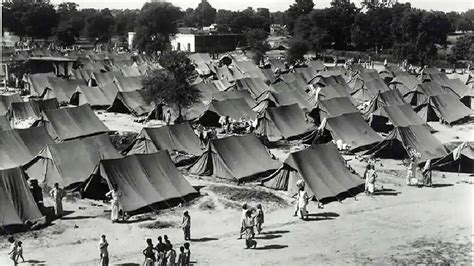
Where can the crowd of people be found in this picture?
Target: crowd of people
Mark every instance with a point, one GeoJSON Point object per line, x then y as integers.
{"type": "Point", "coordinates": [163, 253]}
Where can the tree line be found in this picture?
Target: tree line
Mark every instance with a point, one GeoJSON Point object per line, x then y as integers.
{"type": "Point", "coordinates": [400, 30]}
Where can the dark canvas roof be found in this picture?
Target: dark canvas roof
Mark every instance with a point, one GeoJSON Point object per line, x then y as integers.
{"type": "Point", "coordinates": [370, 89]}
{"type": "Point", "coordinates": [72, 161]}
{"type": "Point", "coordinates": [318, 65]}
{"type": "Point", "coordinates": [391, 97]}
{"type": "Point", "coordinates": [256, 86]}
{"type": "Point", "coordinates": [19, 146]}
{"type": "Point", "coordinates": [126, 84]}
{"type": "Point", "coordinates": [105, 77]}
{"type": "Point", "coordinates": [130, 71]}
{"type": "Point", "coordinates": [234, 108]}
{"type": "Point", "coordinates": [144, 179]}
{"type": "Point", "coordinates": [283, 122]}
{"type": "Point", "coordinates": [445, 106]}
{"type": "Point", "coordinates": [73, 122]}
{"type": "Point", "coordinates": [405, 83]}
{"type": "Point", "coordinates": [353, 130]}
{"type": "Point", "coordinates": [94, 96]}
{"type": "Point", "coordinates": [309, 73]}
{"type": "Point", "coordinates": [235, 158]}
{"type": "Point", "coordinates": [16, 202]}
{"type": "Point", "coordinates": [131, 102]}
{"type": "Point", "coordinates": [84, 74]}
{"type": "Point", "coordinates": [62, 89]}
{"type": "Point", "coordinates": [274, 99]}
{"type": "Point", "coordinates": [334, 91]}
{"type": "Point", "coordinates": [401, 115]}
{"type": "Point", "coordinates": [6, 100]}
{"type": "Point", "coordinates": [222, 84]}
{"type": "Point", "coordinates": [38, 83]}
{"type": "Point", "coordinates": [291, 77]}
{"type": "Point", "coordinates": [337, 106]}
{"type": "Point", "coordinates": [179, 137]}
{"type": "Point", "coordinates": [430, 89]}
{"type": "Point", "coordinates": [4, 123]}
{"type": "Point", "coordinates": [234, 94]}
{"type": "Point", "coordinates": [418, 138]}
{"type": "Point", "coordinates": [228, 73]}
{"type": "Point", "coordinates": [207, 90]}
{"type": "Point", "coordinates": [321, 167]}
{"type": "Point", "coordinates": [201, 60]}
{"type": "Point", "coordinates": [31, 109]}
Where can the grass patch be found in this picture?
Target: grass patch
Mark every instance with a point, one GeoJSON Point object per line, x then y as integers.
{"type": "Point", "coordinates": [207, 205]}
{"type": "Point", "coordinates": [242, 194]}
{"type": "Point", "coordinates": [159, 225]}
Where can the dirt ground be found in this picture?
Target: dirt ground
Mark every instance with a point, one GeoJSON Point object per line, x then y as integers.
{"type": "Point", "coordinates": [400, 225]}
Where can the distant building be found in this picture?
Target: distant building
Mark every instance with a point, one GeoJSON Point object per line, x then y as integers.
{"type": "Point", "coordinates": [27, 1]}
{"type": "Point", "coordinates": [199, 41]}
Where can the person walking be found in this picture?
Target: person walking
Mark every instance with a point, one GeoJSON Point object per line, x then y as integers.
{"type": "Point", "coordinates": [19, 251]}
{"type": "Point", "coordinates": [427, 174]}
{"type": "Point", "coordinates": [57, 194]}
{"type": "Point", "coordinates": [259, 218]}
{"type": "Point", "coordinates": [13, 250]}
{"type": "Point", "coordinates": [371, 177]}
{"type": "Point", "coordinates": [115, 196]}
{"type": "Point", "coordinates": [249, 233]}
{"type": "Point", "coordinates": [104, 251]}
{"type": "Point", "coordinates": [186, 226]}
{"type": "Point", "coordinates": [303, 200]}
{"type": "Point", "coordinates": [242, 219]}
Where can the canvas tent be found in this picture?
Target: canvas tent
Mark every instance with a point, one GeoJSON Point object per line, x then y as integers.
{"type": "Point", "coordinates": [207, 90]}
{"type": "Point", "coordinates": [31, 110]}
{"type": "Point", "coordinates": [391, 97]}
{"type": "Point", "coordinates": [256, 86]}
{"type": "Point", "coordinates": [127, 84]}
{"type": "Point", "coordinates": [17, 204]}
{"type": "Point", "coordinates": [179, 140]}
{"type": "Point", "coordinates": [275, 99]}
{"type": "Point", "coordinates": [37, 83]}
{"type": "Point", "coordinates": [444, 106]}
{"type": "Point", "coordinates": [336, 107]}
{"type": "Point", "coordinates": [352, 130]}
{"type": "Point", "coordinates": [71, 162]}
{"type": "Point", "coordinates": [4, 123]}
{"type": "Point", "coordinates": [61, 89]}
{"type": "Point", "coordinates": [131, 102]}
{"type": "Point", "coordinates": [100, 78]}
{"type": "Point", "coordinates": [419, 138]}
{"type": "Point", "coordinates": [145, 180]}
{"type": "Point", "coordinates": [322, 169]}
{"type": "Point", "coordinates": [96, 97]}
{"type": "Point", "coordinates": [130, 71]}
{"type": "Point", "coordinates": [404, 83]}
{"type": "Point", "coordinates": [283, 122]}
{"type": "Point", "coordinates": [235, 158]}
{"type": "Point", "coordinates": [19, 146]}
{"type": "Point", "coordinates": [72, 122]}
{"type": "Point", "coordinates": [369, 89]}
{"type": "Point", "coordinates": [234, 94]}
{"type": "Point", "coordinates": [422, 92]}
{"type": "Point", "coordinates": [6, 100]}
{"type": "Point", "coordinates": [233, 108]}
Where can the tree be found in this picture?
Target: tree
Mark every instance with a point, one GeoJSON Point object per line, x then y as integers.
{"type": "Point", "coordinates": [40, 20]}
{"type": "Point", "coordinates": [155, 24]}
{"type": "Point", "coordinates": [13, 14]}
{"type": "Point", "coordinates": [125, 21]}
{"type": "Point", "coordinates": [299, 8]}
{"type": "Point", "coordinates": [171, 86]}
{"type": "Point", "coordinates": [257, 41]}
{"type": "Point", "coordinates": [65, 35]}
{"type": "Point", "coordinates": [464, 48]}
{"type": "Point", "coordinates": [297, 50]}
{"type": "Point", "coordinates": [99, 26]}
{"type": "Point", "coordinates": [204, 14]}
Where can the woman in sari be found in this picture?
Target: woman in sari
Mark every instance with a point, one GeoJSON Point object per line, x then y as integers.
{"type": "Point", "coordinates": [371, 177]}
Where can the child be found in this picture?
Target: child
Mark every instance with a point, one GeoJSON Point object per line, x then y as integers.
{"type": "Point", "coordinates": [186, 225]}
{"type": "Point", "coordinates": [19, 251]}
{"type": "Point", "coordinates": [181, 257]}
{"type": "Point", "coordinates": [13, 250]}
{"type": "Point", "coordinates": [259, 218]}
{"type": "Point", "coordinates": [187, 253]}
{"type": "Point", "coordinates": [170, 256]}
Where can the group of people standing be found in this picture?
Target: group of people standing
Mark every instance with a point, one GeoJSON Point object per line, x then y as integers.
{"type": "Point", "coordinates": [163, 253]}
{"type": "Point", "coordinates": [16, 250]}
{"type": "Point", "coordinates": [252, 218]}
{"type": "Point", "coordinates": [56, 193]}
{"type": "Point", "coordinates": [412, 178]}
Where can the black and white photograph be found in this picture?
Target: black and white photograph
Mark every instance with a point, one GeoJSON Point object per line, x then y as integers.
{"type": "Point", "coordinates": [236, 132]}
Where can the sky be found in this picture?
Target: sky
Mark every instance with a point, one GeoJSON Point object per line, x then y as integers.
{"type": "Point", "coordinates": [273, 5]}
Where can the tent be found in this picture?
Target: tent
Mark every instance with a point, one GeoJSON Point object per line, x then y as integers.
{"type": "Point", "coordinates": [464, 164]}
{"type": "Point", "coordinates": [71, 162]}
{"type": "Point", "coordinates": [277, 64]}
{"type": "Point", "coordinates": [317, 65]}
{"type": "Point", "coordinates": [444, 106]}
{"type": "Point", "coordinates": [352, 129]}
{"type": "Point", "coordinates": [236, 109]}
{"type": "Point", "coordinates": [404, 83]}
{"type": "Point", "coordinates": [322, 169]}
{"type": "Point", "coordinates": [234, 94]}
{"type": "Point", "coordinates": [130, 71]}
{"type": "Point", "coordinates": [32, 109]}
{"type": "Point", "coordinates": [207, 90]}
{"type": "Point", "coordinates": [294, 77]}
{"type": "Point", "coordinates": [370, 88]}
{"type": "Point", "coordinates": [256, 86]}
{"type": "Point", "coordinates": [131, 102]}
{"type": "Point", "coordinates": [283, 122]}
{"type": "Point", "coordinates": [275, 99]}
{"type": "Point", "coordinates": [201, 61]}
{"type": "Point", "coordinates": [308, 73]}
{"type": "Point", "coordinates": [422, 92]}
{"type": "Point", "coordinates": [127, 84]}
{"type": "Point", "coordinates": [235, 158]}
{"type": "Point", "coordinates": [96, 97]}
{"type": "Point", "coordinates": [37, 83]}
{"type": "Point", "coordinates": [222, 84]}
{"type": "Point", "coordinates": [391, 97]}
{"type": "Point", "coordinates": [72, 122]}
{"type": "Point", "coordinates": [6, 100]}
{"type": "Point", "coordinates": [336, 107]}
{"type": "Point", "coordinates": [145, 180]}
{"type": "Point", "coordinates": [229, 73]}
{"type": "Point", "coordinates": [17, 204]}
{"type": "Point", "coordinates": [391, 116]}
{"type": "Point", "coordinates": [81, 74]}
{"type": "Point", "coordinates": [179, 140]}
{"type": "Point", "coordinates": [100, 78]}
{"type": "Point", "coordinates": [4, 123]}
{"type": "Point", "coordinates": [398, 142]}
{"type": "Point", "coordinates": [19, 146]}
{"type": "Point", "coordinates": [61, 89]}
